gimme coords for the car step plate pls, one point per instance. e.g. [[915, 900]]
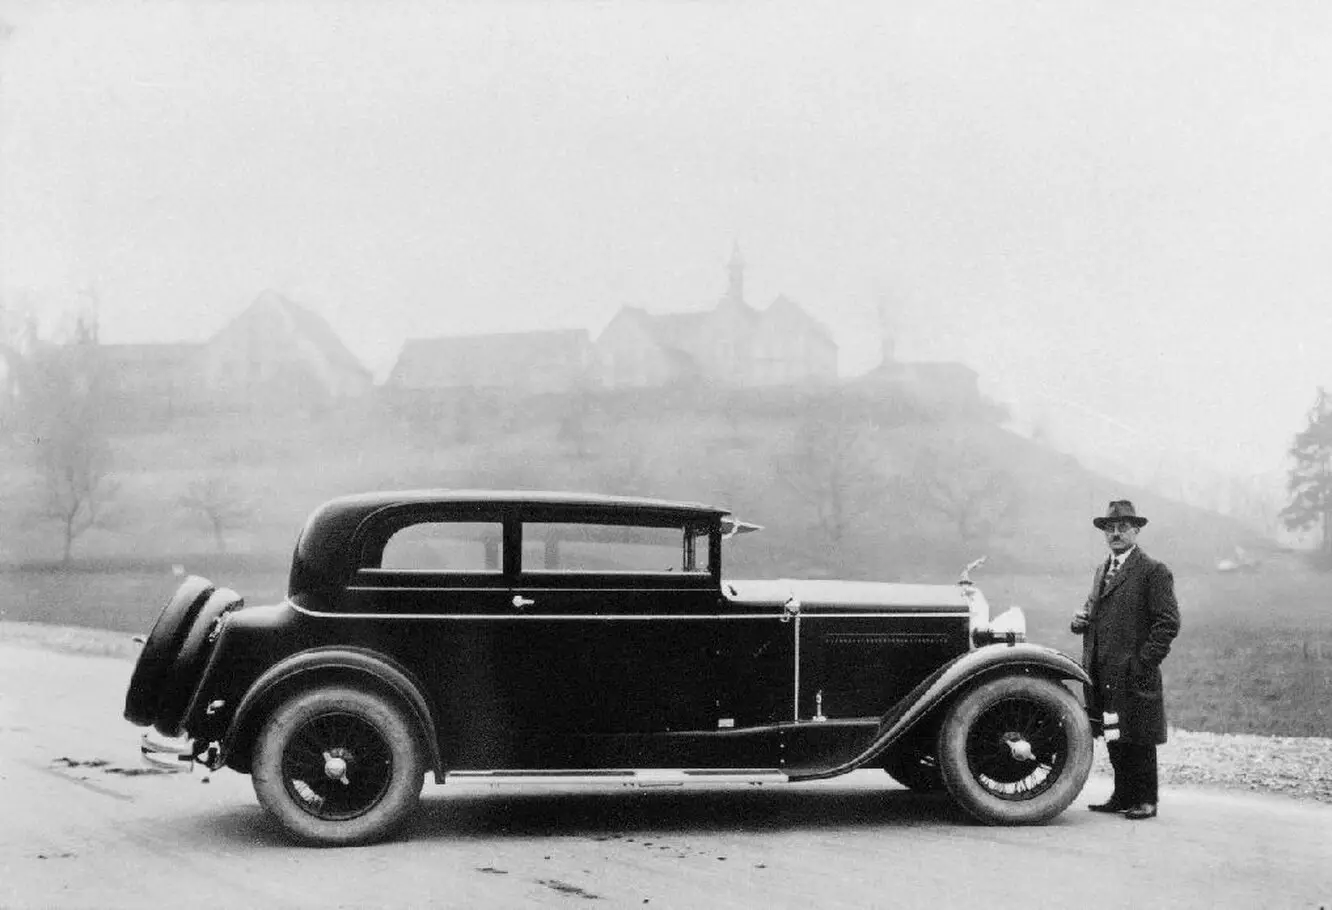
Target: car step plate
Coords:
[[653, 777]]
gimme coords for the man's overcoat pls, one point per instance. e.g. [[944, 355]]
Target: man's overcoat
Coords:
[[1133, 619]]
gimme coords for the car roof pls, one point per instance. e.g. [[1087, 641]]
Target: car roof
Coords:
[[321, 552], [375, 500]]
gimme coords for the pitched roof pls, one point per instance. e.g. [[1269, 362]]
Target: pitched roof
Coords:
[[784, 305], [309, 324], [679, 331]]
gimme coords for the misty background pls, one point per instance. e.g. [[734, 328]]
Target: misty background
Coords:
[[1116, 214]]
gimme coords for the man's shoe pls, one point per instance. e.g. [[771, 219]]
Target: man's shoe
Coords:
[[1141, 810], [1110, 805]]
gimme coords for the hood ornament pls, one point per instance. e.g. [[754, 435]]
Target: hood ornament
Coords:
[[965, 578]]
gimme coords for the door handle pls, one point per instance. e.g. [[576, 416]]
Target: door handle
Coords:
[[520, 602]]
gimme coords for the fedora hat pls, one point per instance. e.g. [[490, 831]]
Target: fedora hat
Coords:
[[1120, 510]]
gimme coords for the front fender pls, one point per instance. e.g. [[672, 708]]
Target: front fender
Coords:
[[344, 661], [941, 685]]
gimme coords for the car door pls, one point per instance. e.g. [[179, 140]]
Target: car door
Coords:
[[433, 589], [616, 630]]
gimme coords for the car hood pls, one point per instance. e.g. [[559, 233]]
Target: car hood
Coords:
[[815, 594]]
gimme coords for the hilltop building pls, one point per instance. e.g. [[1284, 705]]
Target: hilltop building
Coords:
[[277, 351], [730, 344], [275, 354], [554, 361]]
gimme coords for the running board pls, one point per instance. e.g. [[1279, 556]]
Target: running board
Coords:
[[653, 777]]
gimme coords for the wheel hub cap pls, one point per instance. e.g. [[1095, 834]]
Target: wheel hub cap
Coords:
[[335, 767], [1019, 748]]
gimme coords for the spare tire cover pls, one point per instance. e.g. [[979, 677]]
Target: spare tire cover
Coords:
[[178, 682], [173, 623]]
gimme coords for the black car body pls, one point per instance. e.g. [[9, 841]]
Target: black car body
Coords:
[[504, 636]]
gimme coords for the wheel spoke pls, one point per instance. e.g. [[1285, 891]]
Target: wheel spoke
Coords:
[[352, 739], [990, 748]]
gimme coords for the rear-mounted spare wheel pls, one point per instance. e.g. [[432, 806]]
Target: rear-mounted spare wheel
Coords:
[[183, 674], [159, 651]]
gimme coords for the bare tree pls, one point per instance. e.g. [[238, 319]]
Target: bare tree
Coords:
[[829, 463], [216, 500], [951, 478], [61, 401]]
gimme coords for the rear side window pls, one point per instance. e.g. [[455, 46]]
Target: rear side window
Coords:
[[595, 548], [446, 546]]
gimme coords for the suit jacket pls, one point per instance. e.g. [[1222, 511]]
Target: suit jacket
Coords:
[[1131, 625]]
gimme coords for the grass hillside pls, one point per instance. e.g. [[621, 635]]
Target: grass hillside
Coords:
[[838, 480]]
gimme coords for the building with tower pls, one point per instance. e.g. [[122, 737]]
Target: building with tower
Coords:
[[731, 343]]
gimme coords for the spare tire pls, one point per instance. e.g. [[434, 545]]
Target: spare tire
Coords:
[[183, 674], [159, 651]]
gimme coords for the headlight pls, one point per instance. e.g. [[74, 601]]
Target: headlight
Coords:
[[1009, 626]]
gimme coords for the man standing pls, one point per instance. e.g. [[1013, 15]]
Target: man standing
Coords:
[[1127, 625]]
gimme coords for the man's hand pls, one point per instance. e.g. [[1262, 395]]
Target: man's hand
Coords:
[[1081, 620]]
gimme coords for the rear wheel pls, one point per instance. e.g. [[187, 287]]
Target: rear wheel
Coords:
[[1016, 750], [338, 766]]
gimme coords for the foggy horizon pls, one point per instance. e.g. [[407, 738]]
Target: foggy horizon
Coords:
[[1115, 213]]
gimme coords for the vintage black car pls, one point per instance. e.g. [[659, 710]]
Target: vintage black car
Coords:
[[555, 637]]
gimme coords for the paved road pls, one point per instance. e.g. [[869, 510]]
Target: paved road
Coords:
[[84, 827]]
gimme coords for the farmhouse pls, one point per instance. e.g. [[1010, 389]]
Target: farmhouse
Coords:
[[278, 353], [274, 355]]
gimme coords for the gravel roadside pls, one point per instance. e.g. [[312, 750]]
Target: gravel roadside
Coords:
[[1294, 766]]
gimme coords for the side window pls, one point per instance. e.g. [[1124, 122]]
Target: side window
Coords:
[[446, 546], [590, 548]]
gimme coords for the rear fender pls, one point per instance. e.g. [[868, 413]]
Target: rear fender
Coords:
[[310, 668], [939, 688]]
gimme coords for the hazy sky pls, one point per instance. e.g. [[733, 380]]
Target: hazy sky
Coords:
[[1126, 207]]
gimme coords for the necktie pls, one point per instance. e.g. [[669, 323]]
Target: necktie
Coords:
[[1110, 572]]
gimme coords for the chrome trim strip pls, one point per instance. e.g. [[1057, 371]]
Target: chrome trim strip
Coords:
[[795, 694], [597, 617], [647, 777], [960, 614], [387, 589]]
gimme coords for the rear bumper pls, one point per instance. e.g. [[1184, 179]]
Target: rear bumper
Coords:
[[167, 754]]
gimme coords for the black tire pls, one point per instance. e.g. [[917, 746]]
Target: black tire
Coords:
[[914, 767], [1016, 750], [174, 622], [368, 738], [180, 679]]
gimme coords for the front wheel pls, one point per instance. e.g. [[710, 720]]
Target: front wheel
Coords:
[[338, 766], [1016, 750]]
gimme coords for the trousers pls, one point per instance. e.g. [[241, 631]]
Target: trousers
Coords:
[[1135, 772]]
